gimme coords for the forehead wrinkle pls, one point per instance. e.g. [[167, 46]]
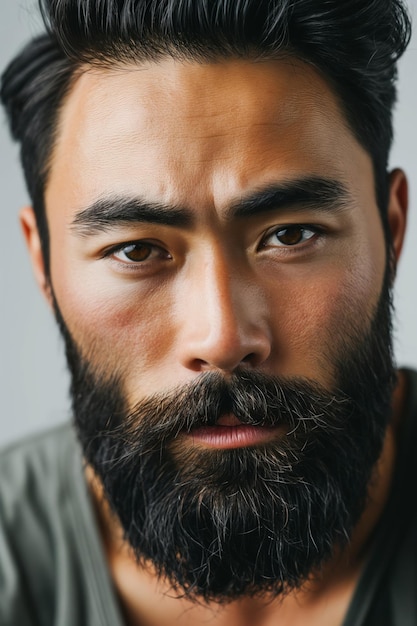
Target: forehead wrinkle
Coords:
[[205, 103], [255, 154], [130, 111]]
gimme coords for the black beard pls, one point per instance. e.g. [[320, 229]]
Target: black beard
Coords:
[[222, 524]]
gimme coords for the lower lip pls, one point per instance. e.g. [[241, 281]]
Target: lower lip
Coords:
[[222, 437]]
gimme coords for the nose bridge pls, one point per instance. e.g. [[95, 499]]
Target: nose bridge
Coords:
[[227, 295], [225, 325]]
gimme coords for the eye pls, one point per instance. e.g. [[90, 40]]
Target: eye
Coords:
[[289, 236], [138, 252]]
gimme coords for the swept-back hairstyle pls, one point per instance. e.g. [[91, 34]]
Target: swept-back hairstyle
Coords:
[[355, 44]]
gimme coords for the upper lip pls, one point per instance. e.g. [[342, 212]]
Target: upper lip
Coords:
[[228, 420]]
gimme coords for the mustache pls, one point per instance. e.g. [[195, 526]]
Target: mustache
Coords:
[[254, 398]]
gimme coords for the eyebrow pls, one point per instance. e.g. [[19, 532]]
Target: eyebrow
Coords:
[[320, 194], [107, 213]]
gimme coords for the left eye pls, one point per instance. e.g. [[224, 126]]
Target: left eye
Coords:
[[289, 236]]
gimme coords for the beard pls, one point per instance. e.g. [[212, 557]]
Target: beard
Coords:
[[220, 524]]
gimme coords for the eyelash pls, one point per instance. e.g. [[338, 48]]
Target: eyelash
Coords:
[[138, 244], [289, 248]]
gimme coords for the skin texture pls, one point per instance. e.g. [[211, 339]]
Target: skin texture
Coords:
[[221, 292]]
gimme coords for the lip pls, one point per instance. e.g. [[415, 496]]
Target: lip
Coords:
[[236, 436]]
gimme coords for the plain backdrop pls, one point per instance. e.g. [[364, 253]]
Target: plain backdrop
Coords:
[[33, 379]]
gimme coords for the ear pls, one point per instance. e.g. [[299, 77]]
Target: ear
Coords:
[[397, 210], [33, 242]]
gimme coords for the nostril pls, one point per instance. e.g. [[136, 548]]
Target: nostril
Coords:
[[250, 359]]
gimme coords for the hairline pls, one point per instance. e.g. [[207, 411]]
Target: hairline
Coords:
[[109, 64]]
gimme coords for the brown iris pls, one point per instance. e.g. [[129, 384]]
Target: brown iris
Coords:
[[290, 236], [137, 252]]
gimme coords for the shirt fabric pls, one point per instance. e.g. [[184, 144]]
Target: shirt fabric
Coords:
[[53, 571]]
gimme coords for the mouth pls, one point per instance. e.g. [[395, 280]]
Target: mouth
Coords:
[[229, 432]]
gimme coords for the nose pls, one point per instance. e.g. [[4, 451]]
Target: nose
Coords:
[[224, 320]]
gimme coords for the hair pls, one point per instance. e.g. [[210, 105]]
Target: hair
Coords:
[[354, 44]]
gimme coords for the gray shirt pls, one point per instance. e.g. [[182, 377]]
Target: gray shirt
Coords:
[[53, 570]]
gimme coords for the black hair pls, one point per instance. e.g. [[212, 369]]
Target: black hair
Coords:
[[355, 44]]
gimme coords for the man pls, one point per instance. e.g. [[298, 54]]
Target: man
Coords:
[[215, 229]]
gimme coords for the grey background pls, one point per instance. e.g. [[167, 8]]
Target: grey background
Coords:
[[33, 380]]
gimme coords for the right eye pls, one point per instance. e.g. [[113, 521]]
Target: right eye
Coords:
[[138, 252]]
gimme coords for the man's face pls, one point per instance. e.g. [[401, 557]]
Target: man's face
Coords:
[[210, 290], [220, 274]]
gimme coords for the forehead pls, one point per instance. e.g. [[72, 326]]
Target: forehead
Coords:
[[174, 130]]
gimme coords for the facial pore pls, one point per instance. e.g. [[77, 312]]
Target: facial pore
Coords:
[[222, 524]]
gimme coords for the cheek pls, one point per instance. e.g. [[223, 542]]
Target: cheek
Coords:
[[125, 327], [319, 313]]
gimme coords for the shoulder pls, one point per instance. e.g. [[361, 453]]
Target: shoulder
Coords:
[[30, 468], [33, 476], [45, 446]]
